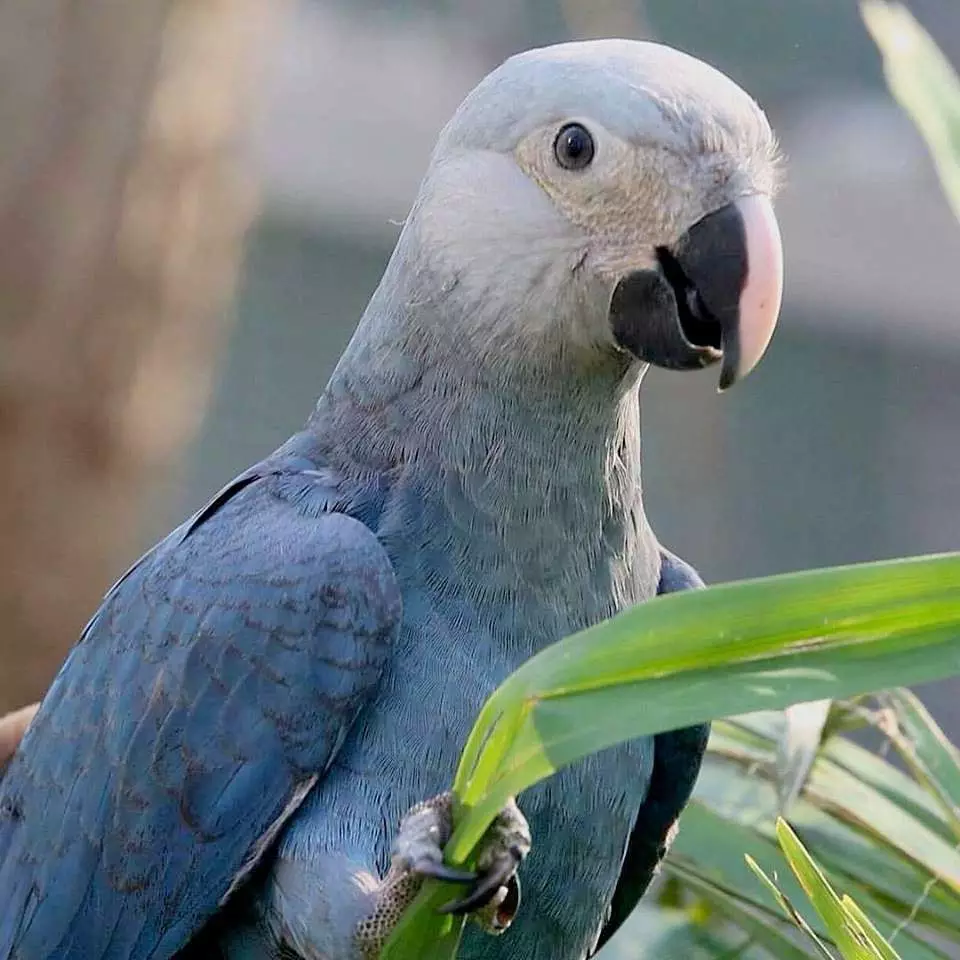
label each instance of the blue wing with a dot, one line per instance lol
(204, 699)
(677, 756)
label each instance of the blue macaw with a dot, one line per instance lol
(221, 763)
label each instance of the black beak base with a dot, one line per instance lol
(685, 314)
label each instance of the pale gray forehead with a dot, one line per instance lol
(641, 91)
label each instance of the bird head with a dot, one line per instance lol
(606, 198)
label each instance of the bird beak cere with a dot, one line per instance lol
(716, 294)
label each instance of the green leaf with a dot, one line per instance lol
(690, 657)
(749, 741)
(789, 909)
(853, 829)
(723, 854)
(684, 659)
(924, 83)
(932, 757)
(805, 723)
(852, 817)
(889, 825)
(773, 935)
(889, 781)
(845, 929)
(665, 933)
(882, 947)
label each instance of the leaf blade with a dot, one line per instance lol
(694, 656)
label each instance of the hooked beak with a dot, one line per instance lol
(716, 294)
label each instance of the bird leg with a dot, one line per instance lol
(494, 895)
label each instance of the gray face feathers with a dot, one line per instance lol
(608, 198)
(641, 93)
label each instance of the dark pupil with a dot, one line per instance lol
(575, 144)
(574, 147)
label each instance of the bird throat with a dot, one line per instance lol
(527, 467)
(528, 483)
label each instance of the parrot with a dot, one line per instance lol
(248, 752)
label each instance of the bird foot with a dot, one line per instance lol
(494, 895)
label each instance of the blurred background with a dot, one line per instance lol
(144, 142)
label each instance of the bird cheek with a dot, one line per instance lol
(614, 260)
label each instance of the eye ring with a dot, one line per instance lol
(574, 147)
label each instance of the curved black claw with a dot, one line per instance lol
(440, 871)
(499, 874)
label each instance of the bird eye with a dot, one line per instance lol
(573, 147)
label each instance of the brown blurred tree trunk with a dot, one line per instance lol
(122, 210)
(12, 728)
